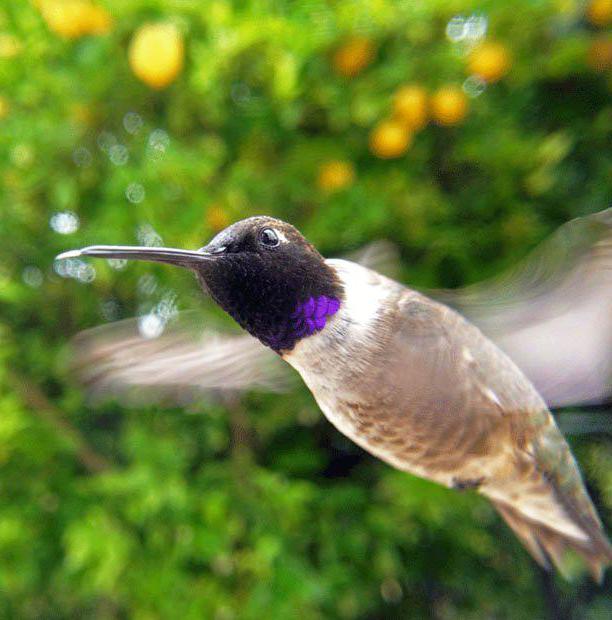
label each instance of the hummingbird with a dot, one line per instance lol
(401, 374)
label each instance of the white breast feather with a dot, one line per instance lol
(355, 322)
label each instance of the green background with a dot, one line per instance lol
(259, 508)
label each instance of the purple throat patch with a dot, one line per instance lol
(308, 318)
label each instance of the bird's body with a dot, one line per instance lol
(403, 376)
(410, 381)
(428, 393)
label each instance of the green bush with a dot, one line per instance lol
(259, 508)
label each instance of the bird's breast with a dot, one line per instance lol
(345, 368)
(364, 410)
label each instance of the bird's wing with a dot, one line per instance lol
(553, 313)
(185, 363)
(470, 411)
(380, 255)
(454, 386)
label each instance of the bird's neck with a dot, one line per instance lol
(277, 308)
(309, 316)
(356, 336)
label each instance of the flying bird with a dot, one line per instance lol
(403, 375)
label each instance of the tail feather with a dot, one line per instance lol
(549, 546)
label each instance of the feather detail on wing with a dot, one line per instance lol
(186, 363)
(553, 313)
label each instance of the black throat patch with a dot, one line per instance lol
(278, 296)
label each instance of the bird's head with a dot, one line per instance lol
(261, 271)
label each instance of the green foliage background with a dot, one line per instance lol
(260, 509)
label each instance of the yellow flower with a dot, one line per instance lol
(449, 105)
(156, 54)
(599, 12)
(71, 19)
(9, 46)
(410, 106)
(599, 56)
(335, 175)
(353, 56)
(216, 218)
(390, 139)
(490, 61)
(97, 20)
(65, 18)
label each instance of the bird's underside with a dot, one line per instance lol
(434, 396)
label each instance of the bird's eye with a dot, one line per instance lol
(269, 238)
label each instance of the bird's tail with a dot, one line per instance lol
(549, 546)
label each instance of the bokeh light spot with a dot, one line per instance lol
(467, 29)
(82, 157)
(159, 140)
(240, 93)
(64, 222)
(147, 284)
(118, 154)
(117, 263)
(32, 276)
(105, 141)
(148, 236)
(476, 27)
(455, 29)
(167, 307)
(75, 268)
(135, 193)
(85, 273)
(473, 86)
(132, 122)
(151, 325)
(110, 310)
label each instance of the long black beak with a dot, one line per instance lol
(171, 256)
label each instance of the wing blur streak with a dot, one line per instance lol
(379, 255)
(186, 363)
(553, 313)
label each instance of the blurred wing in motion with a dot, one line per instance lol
(184, 364)
(553, 313)
(381, 256)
